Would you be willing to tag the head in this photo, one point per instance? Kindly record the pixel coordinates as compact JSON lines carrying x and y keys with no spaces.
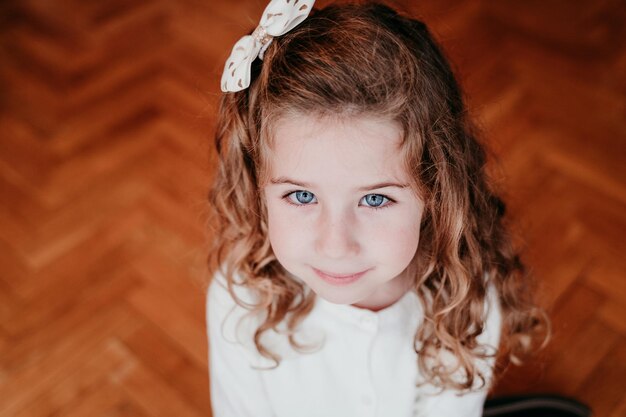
{"x":339,"y":202}
{"x":354,"y":96}
{"x":347,"y":70}
{"x":361,"y":88}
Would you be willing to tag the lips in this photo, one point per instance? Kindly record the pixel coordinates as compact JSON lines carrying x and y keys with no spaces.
{"x":339,"y":279}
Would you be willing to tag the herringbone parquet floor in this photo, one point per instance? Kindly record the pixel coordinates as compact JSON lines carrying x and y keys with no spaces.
{"x":106,"y":115}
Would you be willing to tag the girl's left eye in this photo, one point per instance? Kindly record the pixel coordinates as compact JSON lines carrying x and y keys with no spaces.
{"x":376,"y":201}
{"x":303,"y":198}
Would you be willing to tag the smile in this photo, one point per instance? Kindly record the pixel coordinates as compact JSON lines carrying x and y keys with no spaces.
{"x":336,"y":279}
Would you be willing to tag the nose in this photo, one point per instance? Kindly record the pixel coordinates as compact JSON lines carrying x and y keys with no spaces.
{"x":336,"y":235}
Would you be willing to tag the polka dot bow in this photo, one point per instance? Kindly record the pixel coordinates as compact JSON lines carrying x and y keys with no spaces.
{"x":279,"y":17}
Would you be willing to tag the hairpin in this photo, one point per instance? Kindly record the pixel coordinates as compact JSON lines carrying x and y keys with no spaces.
{"x":279,"y":17}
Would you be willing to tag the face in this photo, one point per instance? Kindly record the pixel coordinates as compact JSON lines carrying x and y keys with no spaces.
{"x":342,"y":217}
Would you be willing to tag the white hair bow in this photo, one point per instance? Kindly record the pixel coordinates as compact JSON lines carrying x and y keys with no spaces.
{"x":279,"y":17}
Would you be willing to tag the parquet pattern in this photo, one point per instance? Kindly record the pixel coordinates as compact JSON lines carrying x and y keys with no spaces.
{"x":106,"y":116}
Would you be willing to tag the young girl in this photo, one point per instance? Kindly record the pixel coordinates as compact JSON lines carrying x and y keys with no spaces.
{"x":361,"y":266}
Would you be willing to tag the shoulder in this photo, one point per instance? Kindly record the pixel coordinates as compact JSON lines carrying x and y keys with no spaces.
{"x":234,"y":323}
{"x":488,"y":342}
{"x":228,"y":321}
{"x":490,"y":336}
{"x":489,"y":339}
{"x":219,"y":296}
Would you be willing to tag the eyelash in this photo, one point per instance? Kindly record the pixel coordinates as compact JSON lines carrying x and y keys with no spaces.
{"x":389,"y":203}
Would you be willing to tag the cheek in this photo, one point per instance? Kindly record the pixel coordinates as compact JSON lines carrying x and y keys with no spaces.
{"x":399,"y":239}
{"x":283,"y":233}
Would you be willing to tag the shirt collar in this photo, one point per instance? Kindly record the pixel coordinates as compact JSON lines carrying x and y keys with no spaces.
{"x":406,"y":311}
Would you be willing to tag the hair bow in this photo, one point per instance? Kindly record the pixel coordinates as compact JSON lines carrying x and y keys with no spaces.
{"x":279,"y":17}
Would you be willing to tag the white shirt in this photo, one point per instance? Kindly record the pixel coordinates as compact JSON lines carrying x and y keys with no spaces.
{"x":367,"y":366}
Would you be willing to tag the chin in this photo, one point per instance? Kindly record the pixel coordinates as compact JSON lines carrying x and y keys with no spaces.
{"x":339,"y":295}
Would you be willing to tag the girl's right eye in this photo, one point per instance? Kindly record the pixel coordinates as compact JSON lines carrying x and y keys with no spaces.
{"x":302,"y":198}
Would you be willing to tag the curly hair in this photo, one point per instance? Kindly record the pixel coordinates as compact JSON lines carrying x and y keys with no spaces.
{"x":367,"y":59}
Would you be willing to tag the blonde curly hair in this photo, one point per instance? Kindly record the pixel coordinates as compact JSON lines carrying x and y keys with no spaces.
{"x":366,"y":59}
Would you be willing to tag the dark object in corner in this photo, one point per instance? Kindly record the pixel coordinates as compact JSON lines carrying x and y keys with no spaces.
{"x":540,"y":405}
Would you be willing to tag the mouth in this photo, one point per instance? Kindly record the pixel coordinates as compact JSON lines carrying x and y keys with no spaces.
{"x":339,"y":279}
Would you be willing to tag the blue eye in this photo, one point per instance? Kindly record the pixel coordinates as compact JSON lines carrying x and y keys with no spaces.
{"x":375,"y":200}
{"x":302,"y":197}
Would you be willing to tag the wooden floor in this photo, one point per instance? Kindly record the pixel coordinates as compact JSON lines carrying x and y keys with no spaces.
{"x":106,"y":115}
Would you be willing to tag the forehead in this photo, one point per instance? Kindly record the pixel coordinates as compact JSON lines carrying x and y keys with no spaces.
{"x":356,"y":148}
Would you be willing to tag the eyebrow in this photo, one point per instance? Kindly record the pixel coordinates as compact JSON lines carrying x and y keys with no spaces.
{"x":285,"y":180}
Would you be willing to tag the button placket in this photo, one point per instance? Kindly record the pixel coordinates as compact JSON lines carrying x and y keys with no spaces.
{"x":369,"y":323}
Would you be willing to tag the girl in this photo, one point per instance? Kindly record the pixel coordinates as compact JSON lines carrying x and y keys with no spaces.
{"x":361,"y":266}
